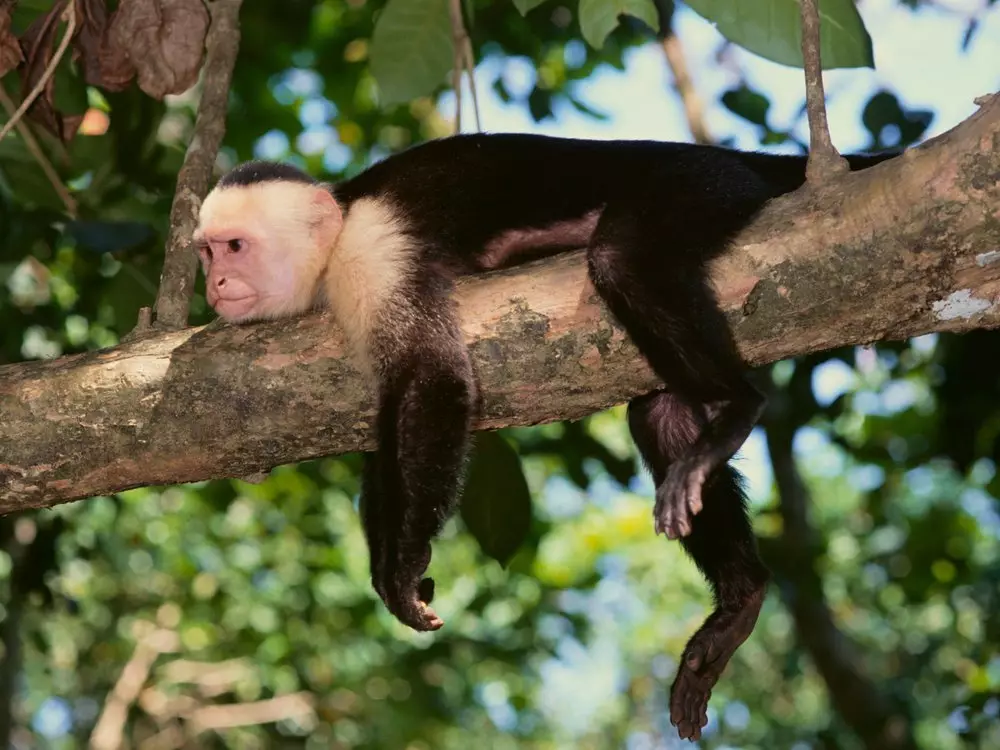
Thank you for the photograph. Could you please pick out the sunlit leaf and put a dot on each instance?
(772, 29)
(411, 50)
(598, 18)
(525, 5)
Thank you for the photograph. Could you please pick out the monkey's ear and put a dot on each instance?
(331, 218)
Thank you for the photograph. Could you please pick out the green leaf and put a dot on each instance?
(109, 236)
(748, 104)
(525, 5)
(883, 111)
(598, 18)
(411, 50)
(28, 185)
(496, 503)
(773, 30)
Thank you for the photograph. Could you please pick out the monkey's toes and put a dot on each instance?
(689, 703)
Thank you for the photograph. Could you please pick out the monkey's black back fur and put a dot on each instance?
(466, 189)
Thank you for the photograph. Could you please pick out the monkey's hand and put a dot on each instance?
(678, 498)
(705, 658)
(408, 596)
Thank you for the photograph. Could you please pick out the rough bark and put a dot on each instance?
(904, 248)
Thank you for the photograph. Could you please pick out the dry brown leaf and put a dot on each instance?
(70, 124)
(37, 42)
(165, 40)
(10, 49)
(104, 64)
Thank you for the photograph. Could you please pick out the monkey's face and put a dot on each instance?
(263, 248)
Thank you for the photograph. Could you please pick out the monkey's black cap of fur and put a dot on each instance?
(255, 172)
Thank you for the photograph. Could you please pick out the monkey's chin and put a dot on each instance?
(236, 310)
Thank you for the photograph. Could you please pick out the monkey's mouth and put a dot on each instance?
(234, 307)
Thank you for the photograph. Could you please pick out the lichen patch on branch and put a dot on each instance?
(960, 304)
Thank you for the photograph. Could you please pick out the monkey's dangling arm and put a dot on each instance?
(412, 483)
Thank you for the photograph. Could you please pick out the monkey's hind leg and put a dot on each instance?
(722, 545)
(648, 266)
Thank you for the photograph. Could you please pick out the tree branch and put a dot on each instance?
(464, 62)
(180, 265)
(694, 111)
(290, 706)
(824, 161)
(880, 722)
(903, 248)
(109, 731)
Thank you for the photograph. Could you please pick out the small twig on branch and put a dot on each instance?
(457, 29)
(470, 68)
(684, 86)
(824, 160)
(464, 62)
(35, 149)
(291, 706)
(180, 265)
(110, 728)
(69, 15)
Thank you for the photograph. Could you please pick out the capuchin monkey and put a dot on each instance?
(382, 251)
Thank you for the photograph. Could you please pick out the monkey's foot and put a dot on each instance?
(705, 658)
(410, 601)
(678, 499)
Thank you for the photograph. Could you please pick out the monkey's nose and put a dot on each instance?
(221, 282)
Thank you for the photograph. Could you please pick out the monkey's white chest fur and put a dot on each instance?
(368, 269)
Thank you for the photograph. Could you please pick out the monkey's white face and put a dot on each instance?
(263, 247)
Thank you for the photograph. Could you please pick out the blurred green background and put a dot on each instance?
(873, 476)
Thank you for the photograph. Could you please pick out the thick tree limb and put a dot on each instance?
(907, 247)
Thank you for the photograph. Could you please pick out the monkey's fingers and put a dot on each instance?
(678, 500)
(409, 603)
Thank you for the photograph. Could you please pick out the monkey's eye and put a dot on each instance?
(235, 246)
